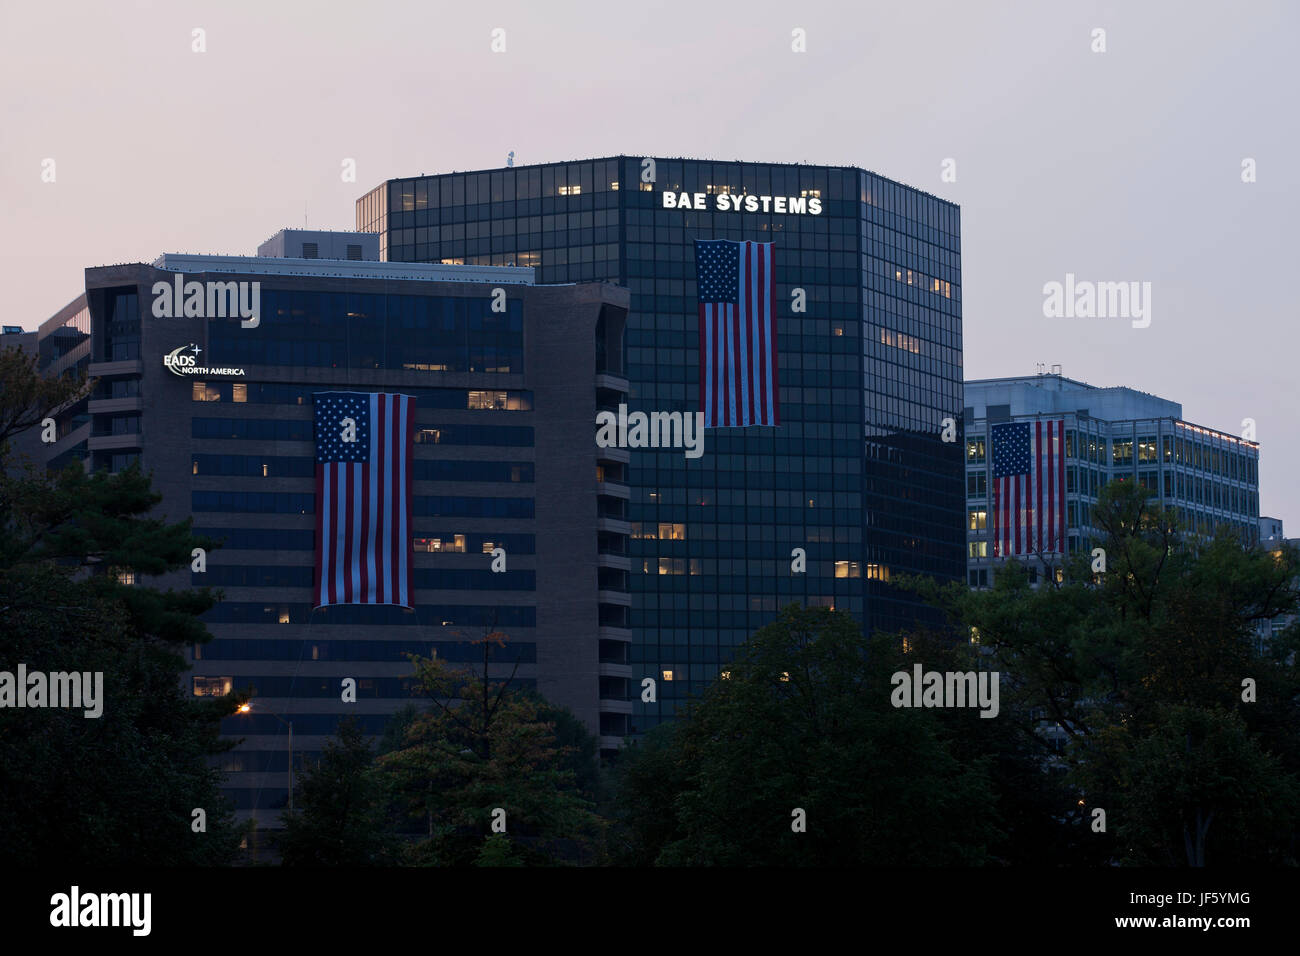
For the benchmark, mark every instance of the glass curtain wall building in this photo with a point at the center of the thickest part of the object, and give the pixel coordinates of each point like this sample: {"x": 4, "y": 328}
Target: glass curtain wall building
{"x": 868, "y": 293}
{"x": 1209, "y": 477}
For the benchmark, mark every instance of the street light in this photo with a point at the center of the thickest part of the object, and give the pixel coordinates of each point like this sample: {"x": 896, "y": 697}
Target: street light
{"x": 247, "y": 708}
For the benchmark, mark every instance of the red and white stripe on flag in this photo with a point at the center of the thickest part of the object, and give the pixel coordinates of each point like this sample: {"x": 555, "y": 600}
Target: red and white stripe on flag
{"x": 363, "y": 498}
{"x": 738, "y": 365}
{"x": 1029, "y": 515}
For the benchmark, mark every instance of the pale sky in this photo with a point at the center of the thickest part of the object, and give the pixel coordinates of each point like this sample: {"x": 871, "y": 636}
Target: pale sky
{"x": 1117, "y": 166}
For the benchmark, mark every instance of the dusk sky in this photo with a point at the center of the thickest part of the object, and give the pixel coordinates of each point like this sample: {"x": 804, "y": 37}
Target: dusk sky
{"x": 1117, "y": 166}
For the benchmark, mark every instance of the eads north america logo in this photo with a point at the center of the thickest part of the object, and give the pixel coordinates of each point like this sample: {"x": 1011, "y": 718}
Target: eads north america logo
{"x": 181, "y": 364}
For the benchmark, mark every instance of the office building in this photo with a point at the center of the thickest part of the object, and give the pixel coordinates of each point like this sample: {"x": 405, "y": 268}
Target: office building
{"x": 1211, "y": 478}
{"x": 218, "y": 406}
{"x": 868, "y": 295}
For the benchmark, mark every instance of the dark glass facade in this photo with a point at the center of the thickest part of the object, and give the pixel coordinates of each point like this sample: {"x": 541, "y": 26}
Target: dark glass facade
{"x": 857, "y": 474}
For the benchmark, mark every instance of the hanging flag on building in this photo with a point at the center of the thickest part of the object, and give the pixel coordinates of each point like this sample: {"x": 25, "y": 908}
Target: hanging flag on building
{"x": 736, "y": 287}
{"x": 363, "y": 498}
{"x": 1028, "y": 487}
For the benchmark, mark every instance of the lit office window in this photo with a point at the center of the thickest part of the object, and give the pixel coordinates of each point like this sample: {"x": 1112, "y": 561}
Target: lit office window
{"x": 848, "y": 569}
{"x": 669, "y": 531}
{"x": 212, "y": 686}
{"x": 672, "y": 565}
{"x": 239, "y": 393}
{"x": 977, "y": 549}
{"x": 201, "y": 392}
{"x": 454, "y": 543}
{"x": 668, "y": 675}
{"x": 977, "y": 519}
{"x": 480, "y": 399}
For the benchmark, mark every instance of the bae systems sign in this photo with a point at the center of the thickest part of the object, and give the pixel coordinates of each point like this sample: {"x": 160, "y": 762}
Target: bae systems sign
{"x": 181, "y": 364}
{"x": 725, "y": 202}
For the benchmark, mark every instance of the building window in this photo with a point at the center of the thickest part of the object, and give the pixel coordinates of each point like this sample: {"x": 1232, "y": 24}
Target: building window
{"x": 977, "y": 519}
{"x": 975, "y": 451}
{"x": 124, "y": 576}
{"x": 480, "y": 399}
{"x": 1122, "y": 452}
{"x": 848, "y": 569}
{"x": 976, "y": 484}
{"x": 354, "y": 252}
{"x": 239, "y": 393}
{"x": 309, "y": 250}
{"x": 212, "y": 686}
{"x": 669, "y": 531}
{"x": 977, "y": 549}
{"x": 201, "y": 392}
{"x": 878, "y": 572}
{"x": 668, "y": 675}
{"x": 672, "y": 565}
{"x": 453, "y": 544}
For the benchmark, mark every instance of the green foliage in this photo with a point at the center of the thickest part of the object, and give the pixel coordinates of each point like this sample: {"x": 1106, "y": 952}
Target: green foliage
{"x": 119, "y": 789}
{"x": 1142, "y": 668}
{"x": 803, "y": 721}
{"x": 27, "y": 397}
{"x": 481, "y": 747}
{"x": 339, "y": 817}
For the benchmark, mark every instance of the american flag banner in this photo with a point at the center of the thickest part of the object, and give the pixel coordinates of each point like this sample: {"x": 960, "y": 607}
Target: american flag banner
{"x": 363, "y": 498}
{"x": 1028, "y": 487}
{"x": 737, "y": 289}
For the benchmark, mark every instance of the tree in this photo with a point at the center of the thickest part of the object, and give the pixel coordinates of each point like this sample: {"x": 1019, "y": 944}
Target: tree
{"x": 480, "y": 750}
{"x": 120, "y": 789}
{"x": 27, "y": 397}
{"x": 799, "y": 732}
{"x": 340, "y": 820}
{"x": 1142, "y": 669}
